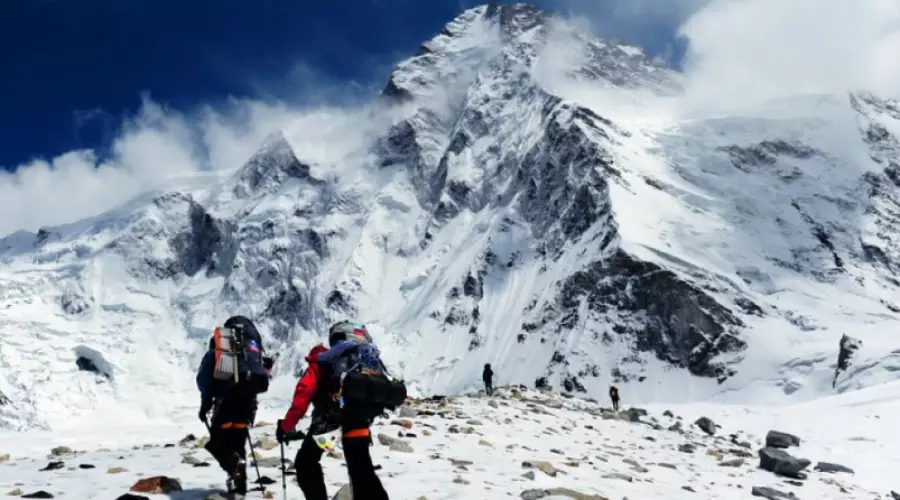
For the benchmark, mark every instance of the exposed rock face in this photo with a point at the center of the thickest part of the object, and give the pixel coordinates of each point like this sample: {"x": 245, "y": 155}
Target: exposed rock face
{"x": 847, "y": 348}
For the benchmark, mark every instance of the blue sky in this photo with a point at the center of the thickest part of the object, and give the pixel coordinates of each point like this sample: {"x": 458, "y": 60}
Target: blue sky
{"x": 72, "y": 69}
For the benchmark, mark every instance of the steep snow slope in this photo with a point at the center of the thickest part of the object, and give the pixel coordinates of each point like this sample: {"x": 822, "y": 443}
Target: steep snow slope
{"x": 526, "y": 445}
{"x": 519, "y": 194}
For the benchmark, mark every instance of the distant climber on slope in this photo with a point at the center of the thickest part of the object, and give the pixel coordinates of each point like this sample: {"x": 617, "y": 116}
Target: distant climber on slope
{"x": 348, "y": 387}
{"x": 487, "y": 376}
{"x": 231, "y": 375}
{"x": 614, "y": 396}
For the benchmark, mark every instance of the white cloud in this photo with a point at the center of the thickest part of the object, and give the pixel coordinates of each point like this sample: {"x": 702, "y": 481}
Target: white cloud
{"x": 150, "y": 148}
{"x": 743, "y": 52}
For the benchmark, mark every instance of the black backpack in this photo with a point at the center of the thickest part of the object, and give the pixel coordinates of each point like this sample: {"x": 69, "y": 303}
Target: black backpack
{"x": 361, "y": 385}
{"x": 239, "y": 362}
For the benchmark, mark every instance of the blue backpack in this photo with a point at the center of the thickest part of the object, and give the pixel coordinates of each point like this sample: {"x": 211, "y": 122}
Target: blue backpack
{"x": 359, "y": 382}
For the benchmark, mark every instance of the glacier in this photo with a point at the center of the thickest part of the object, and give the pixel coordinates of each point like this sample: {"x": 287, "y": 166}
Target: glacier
{"x": 520, "y": 193}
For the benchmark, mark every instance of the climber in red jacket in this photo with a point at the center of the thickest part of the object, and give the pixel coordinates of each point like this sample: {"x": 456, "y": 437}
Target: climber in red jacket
{"x": 316, "y": 387}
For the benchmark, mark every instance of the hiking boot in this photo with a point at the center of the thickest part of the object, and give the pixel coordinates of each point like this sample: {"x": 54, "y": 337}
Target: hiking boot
{"x": 240, "y": 478}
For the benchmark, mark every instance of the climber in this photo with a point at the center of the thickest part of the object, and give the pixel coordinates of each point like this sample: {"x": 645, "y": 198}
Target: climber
{"x": 348, "y": 387}
{"x": 614, "y": 396}
{"x": 232, "y": 373}
{"x": 487, "y": 376}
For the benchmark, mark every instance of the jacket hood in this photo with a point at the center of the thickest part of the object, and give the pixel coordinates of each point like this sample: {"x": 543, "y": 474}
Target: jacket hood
{"x": 314, "y": 353}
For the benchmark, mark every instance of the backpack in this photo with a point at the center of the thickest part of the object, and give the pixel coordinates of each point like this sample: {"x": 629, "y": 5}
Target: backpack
{"x": 360, "y": 383}
{"x": 239, "y": 361}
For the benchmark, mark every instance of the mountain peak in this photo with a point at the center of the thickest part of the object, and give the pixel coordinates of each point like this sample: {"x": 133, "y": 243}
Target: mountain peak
{"x": 268, "y": 168}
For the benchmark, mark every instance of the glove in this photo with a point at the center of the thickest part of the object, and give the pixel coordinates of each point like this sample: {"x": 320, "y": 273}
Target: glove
{"x": 204, "y": 410}
{"x": 280, "y": 435}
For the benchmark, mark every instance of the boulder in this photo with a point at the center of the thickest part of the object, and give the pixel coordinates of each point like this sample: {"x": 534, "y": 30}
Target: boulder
{"x": 38, "y": 494}
{"x": 781, "y": 463}
{"x": 776, "y": 439}
{"x": 157, "y": 485}
{"x": 829, "y": 467}
{"x": 770, "y": 493}
{"x": 706, "y": 425}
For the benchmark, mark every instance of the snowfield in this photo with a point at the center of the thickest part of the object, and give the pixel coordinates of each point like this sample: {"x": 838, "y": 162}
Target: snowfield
{"x": 520, "y": 444}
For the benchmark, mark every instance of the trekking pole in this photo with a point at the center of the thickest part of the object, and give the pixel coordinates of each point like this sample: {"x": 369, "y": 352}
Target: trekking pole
{"x": 262, "y": 487}
{"x": 283, "y": 480}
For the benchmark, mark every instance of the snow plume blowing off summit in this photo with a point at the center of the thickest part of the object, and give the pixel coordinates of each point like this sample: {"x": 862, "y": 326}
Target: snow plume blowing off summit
{"x": 521, "y": 193}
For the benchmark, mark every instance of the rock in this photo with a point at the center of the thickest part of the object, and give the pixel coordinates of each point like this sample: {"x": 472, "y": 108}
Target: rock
{"x": 202, "y": 464}
{"x": 485, "y": 442}
{"x": 87, "y": 466}
{"x": 669, "y": 414}
{"x": 201, "y": 442}
{"x": 775, "y": 439}
{"x": 847, "y": 348}
{"x": 460, "y": 463}
{"x": 190, "y": 460}
{"x": 38, "y": 494}
{"x": 688, "y": 488}
{"x": 633, "y": 414}
{"x": 402, "y": 422}
{"x": 4, "y": 457}
{"x": 558, "y": 492}
{"x": 15, "y": 492}
{"x": 895, "y": 495}
{"x": 407, "y": 411}
{"x": 61, "y": 450}
{"x": 619, "y": 475}
{"x": 687, "y": 448}
{"x": 676, "y": 427}
{"x": 395, "y": 444}
{"x": 706, "y": 425}
{"x": 271, "y": 462}
{"x": 345, "y": 493}
{"x": 426, "y": 432}
{"x": 770, "y": 493}
{"x": 740, "y": 452}
{"x": 156, "y": 485}
{"x": 541, "y": 465}
{"x": 734, "y": 462}
{"x": 493, "y": 404}
{"x": 116, "y": 470}
{"x": 190, "y": 438}
{"x": 781, "y": 463}
{"x": 262, "y": 423}
{"x": 54, "y": 466}
{"x": 667, "y": 465}
{"x": 266, "y": 443}
{"x": 474, "y": 421}
{"x": 829, "y": 467}
{"x": 529, "y": 475}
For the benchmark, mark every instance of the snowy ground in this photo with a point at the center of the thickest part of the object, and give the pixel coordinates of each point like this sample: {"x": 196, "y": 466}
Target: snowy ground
{"x": 475, "y": 448}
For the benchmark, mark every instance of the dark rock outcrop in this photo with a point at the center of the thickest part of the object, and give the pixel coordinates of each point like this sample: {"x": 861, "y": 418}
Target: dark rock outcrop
{"x": 847, "y": 348}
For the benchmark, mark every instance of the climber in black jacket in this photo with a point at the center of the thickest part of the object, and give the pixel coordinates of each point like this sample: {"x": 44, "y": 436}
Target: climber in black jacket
{"x": 487, "y": 376}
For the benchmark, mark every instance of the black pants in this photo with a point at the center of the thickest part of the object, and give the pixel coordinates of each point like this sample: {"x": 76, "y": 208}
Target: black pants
{"x": 615, "y": 403}
{"x": 488, "y": 387}
{"x": 228, "y": 432}
{"x": 363, "y": 480}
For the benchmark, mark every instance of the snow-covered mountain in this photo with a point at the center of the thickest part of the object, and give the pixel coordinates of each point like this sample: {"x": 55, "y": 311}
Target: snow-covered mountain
{"x": 520, "y": 194}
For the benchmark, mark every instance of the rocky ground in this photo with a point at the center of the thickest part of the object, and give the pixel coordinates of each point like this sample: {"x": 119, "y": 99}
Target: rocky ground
{"x": 519, "y": 443}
